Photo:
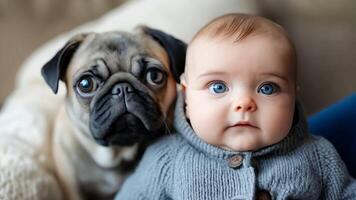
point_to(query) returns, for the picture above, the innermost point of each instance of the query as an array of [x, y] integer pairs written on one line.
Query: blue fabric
[[337, 123]]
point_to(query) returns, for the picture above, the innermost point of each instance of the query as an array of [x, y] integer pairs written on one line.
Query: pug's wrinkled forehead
[[111, 52]]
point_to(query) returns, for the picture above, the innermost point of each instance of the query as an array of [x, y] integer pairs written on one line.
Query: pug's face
[[120, 86]]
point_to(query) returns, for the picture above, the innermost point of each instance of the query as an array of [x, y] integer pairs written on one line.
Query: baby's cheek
[[206, 125], [279, 125]]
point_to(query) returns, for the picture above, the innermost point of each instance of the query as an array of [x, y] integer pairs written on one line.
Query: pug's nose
[[121, 88]]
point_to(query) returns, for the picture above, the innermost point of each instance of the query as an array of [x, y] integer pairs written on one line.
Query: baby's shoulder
[[165, 147], [320, 145], [321, 152]]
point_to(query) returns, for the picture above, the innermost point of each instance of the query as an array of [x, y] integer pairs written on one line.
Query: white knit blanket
[[26, 116]]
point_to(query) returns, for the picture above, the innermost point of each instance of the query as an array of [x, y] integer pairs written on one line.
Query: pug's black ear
[[175, 48], [54, 70]]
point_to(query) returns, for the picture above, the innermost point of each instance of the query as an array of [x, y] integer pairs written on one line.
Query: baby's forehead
[[209, 49], [285, 48]]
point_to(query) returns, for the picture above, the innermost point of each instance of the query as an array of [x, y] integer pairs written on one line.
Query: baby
[[241, 131]]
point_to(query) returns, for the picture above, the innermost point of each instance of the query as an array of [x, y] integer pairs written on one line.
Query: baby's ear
[[183, 84], [183, 81]]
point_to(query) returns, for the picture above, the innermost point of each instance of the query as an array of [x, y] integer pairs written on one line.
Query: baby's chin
[[240, 146]]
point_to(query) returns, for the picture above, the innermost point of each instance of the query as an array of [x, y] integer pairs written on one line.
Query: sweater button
[[235, 161], [263, 195]]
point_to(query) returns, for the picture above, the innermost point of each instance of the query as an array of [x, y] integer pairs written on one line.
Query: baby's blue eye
[[218, 88], [268, 89]]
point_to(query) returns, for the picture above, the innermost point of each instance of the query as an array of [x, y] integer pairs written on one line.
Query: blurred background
[[27, 24], [324, 32]]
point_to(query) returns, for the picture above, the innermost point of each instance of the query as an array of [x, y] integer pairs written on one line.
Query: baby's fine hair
[[239, 26]]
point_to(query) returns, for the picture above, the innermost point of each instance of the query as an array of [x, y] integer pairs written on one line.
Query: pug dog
[[120, 94]]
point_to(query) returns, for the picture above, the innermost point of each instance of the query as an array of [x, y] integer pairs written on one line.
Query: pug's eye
[[87, 84], [155, 77]]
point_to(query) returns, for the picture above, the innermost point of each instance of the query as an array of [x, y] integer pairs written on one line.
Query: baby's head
[[240, 82]]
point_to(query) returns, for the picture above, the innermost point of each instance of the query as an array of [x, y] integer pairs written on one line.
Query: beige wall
[[26, 24]]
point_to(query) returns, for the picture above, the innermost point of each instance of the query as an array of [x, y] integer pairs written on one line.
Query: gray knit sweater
[[182, 166]]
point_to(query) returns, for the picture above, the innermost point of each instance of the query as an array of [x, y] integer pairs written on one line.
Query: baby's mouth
[[243, 124]]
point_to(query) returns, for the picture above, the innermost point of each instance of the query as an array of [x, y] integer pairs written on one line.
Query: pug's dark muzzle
[[124, 115]]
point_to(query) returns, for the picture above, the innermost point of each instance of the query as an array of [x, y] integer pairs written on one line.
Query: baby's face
[[240, 96]]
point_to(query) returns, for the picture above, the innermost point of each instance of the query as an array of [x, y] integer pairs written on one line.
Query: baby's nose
[[246, 104]]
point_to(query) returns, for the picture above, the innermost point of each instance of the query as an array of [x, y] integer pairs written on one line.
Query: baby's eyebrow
[[276, 75], [211, 73]]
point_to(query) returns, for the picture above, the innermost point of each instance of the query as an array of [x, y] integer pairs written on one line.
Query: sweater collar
[[297, 135]]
